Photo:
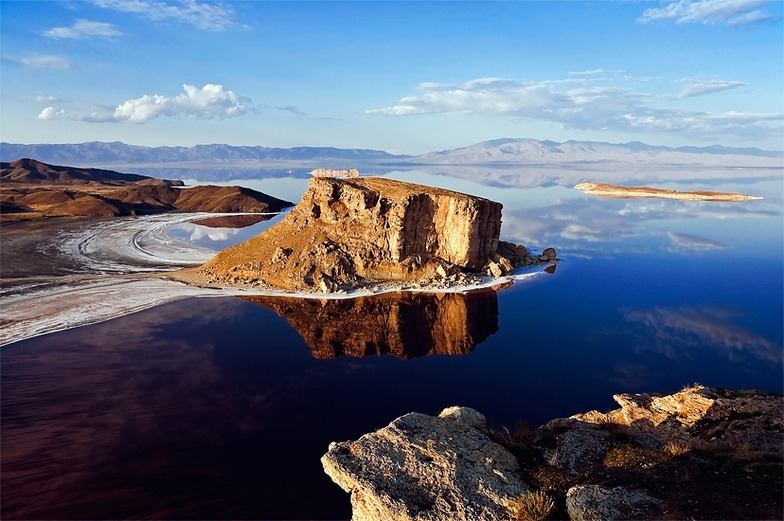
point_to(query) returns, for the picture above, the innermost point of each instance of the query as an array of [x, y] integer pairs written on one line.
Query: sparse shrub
[[673, 448], [532, 506], [629, 456]]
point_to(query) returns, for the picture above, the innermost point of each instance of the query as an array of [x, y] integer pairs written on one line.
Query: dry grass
[[674, 448], [533, 506]]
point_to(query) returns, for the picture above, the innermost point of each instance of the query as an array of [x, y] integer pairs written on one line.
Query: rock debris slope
[[348, 232]]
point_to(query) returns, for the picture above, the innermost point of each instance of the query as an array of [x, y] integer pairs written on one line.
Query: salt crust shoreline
[[139, 275]]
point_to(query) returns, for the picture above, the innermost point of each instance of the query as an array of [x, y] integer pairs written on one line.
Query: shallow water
[[220, 408]]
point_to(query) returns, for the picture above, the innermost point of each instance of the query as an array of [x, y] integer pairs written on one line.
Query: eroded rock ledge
[[346, 233], [701, 453]]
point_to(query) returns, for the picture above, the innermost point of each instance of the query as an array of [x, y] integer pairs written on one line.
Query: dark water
[[220, 408]]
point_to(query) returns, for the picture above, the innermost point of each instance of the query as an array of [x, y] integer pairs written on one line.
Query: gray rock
[[597, 503], [426, 468], [580, 450]]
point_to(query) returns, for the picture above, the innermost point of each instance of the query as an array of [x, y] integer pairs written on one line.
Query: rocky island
[[351, 232]]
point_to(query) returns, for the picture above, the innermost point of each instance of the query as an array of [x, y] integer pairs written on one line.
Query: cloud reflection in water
[[679, 332]]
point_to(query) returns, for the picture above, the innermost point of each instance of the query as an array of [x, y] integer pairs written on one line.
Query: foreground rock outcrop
[[700, 453], [422, 467], [350, 232], [403, 324]]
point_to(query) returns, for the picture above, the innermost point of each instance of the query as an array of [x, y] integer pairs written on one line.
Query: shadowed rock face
[[406, 325], [345, 232]]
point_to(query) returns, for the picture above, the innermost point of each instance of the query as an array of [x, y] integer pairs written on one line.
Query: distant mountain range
[[96, 152], [535, 152], [498, 152]]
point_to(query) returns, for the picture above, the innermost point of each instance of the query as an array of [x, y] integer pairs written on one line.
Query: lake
[[220, 408]]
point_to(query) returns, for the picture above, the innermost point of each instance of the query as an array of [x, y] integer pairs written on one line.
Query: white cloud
[[589, 103], [46, 62], [50, 113], [696, 87], [202, 15], [209, 102], [84, 29], [733, 12]]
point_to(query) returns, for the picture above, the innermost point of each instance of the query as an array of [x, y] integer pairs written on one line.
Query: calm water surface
[[220, 408]]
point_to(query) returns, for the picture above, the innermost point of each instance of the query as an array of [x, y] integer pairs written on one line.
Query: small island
[[645, 192], [349, 233]]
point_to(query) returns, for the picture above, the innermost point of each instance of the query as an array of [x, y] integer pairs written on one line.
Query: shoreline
[[89, 271], [41, 307]]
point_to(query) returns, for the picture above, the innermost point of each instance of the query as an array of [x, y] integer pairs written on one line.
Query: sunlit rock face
[[347, 232], [406, 325], [427, 468]]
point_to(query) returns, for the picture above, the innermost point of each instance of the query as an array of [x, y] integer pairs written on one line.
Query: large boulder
[[426, 468], [349, 232]]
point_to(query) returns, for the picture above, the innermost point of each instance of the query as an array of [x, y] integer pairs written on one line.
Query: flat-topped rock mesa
[[350, 232], [403, 324], [33, 189]]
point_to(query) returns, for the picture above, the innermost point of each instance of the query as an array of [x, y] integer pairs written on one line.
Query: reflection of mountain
[[407, 325]]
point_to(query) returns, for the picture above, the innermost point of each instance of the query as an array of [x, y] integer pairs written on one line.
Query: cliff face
[[403, 324], [346, 232]]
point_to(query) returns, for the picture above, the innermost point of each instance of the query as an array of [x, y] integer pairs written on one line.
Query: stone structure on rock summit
[[351, 232]]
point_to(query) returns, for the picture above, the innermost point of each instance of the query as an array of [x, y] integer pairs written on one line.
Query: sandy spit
[[632, 192]]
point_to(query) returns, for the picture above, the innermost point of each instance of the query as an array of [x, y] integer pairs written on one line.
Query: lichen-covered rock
[[597, 503], [427, 468], [350, 232]]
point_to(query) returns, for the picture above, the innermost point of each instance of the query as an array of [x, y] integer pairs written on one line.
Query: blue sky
[[406, 77]]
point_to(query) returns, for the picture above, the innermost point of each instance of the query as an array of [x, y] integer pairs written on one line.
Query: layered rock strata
[[403, 324], [349, 232]]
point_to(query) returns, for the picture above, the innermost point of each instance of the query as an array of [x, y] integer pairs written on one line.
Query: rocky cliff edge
[[700, 453]]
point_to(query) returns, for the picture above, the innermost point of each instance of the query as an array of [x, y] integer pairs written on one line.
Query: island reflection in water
[[406, 325], [192, 409]]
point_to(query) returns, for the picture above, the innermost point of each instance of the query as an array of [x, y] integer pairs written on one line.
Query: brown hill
[[32, 189], [28, 171], [208, 198]]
